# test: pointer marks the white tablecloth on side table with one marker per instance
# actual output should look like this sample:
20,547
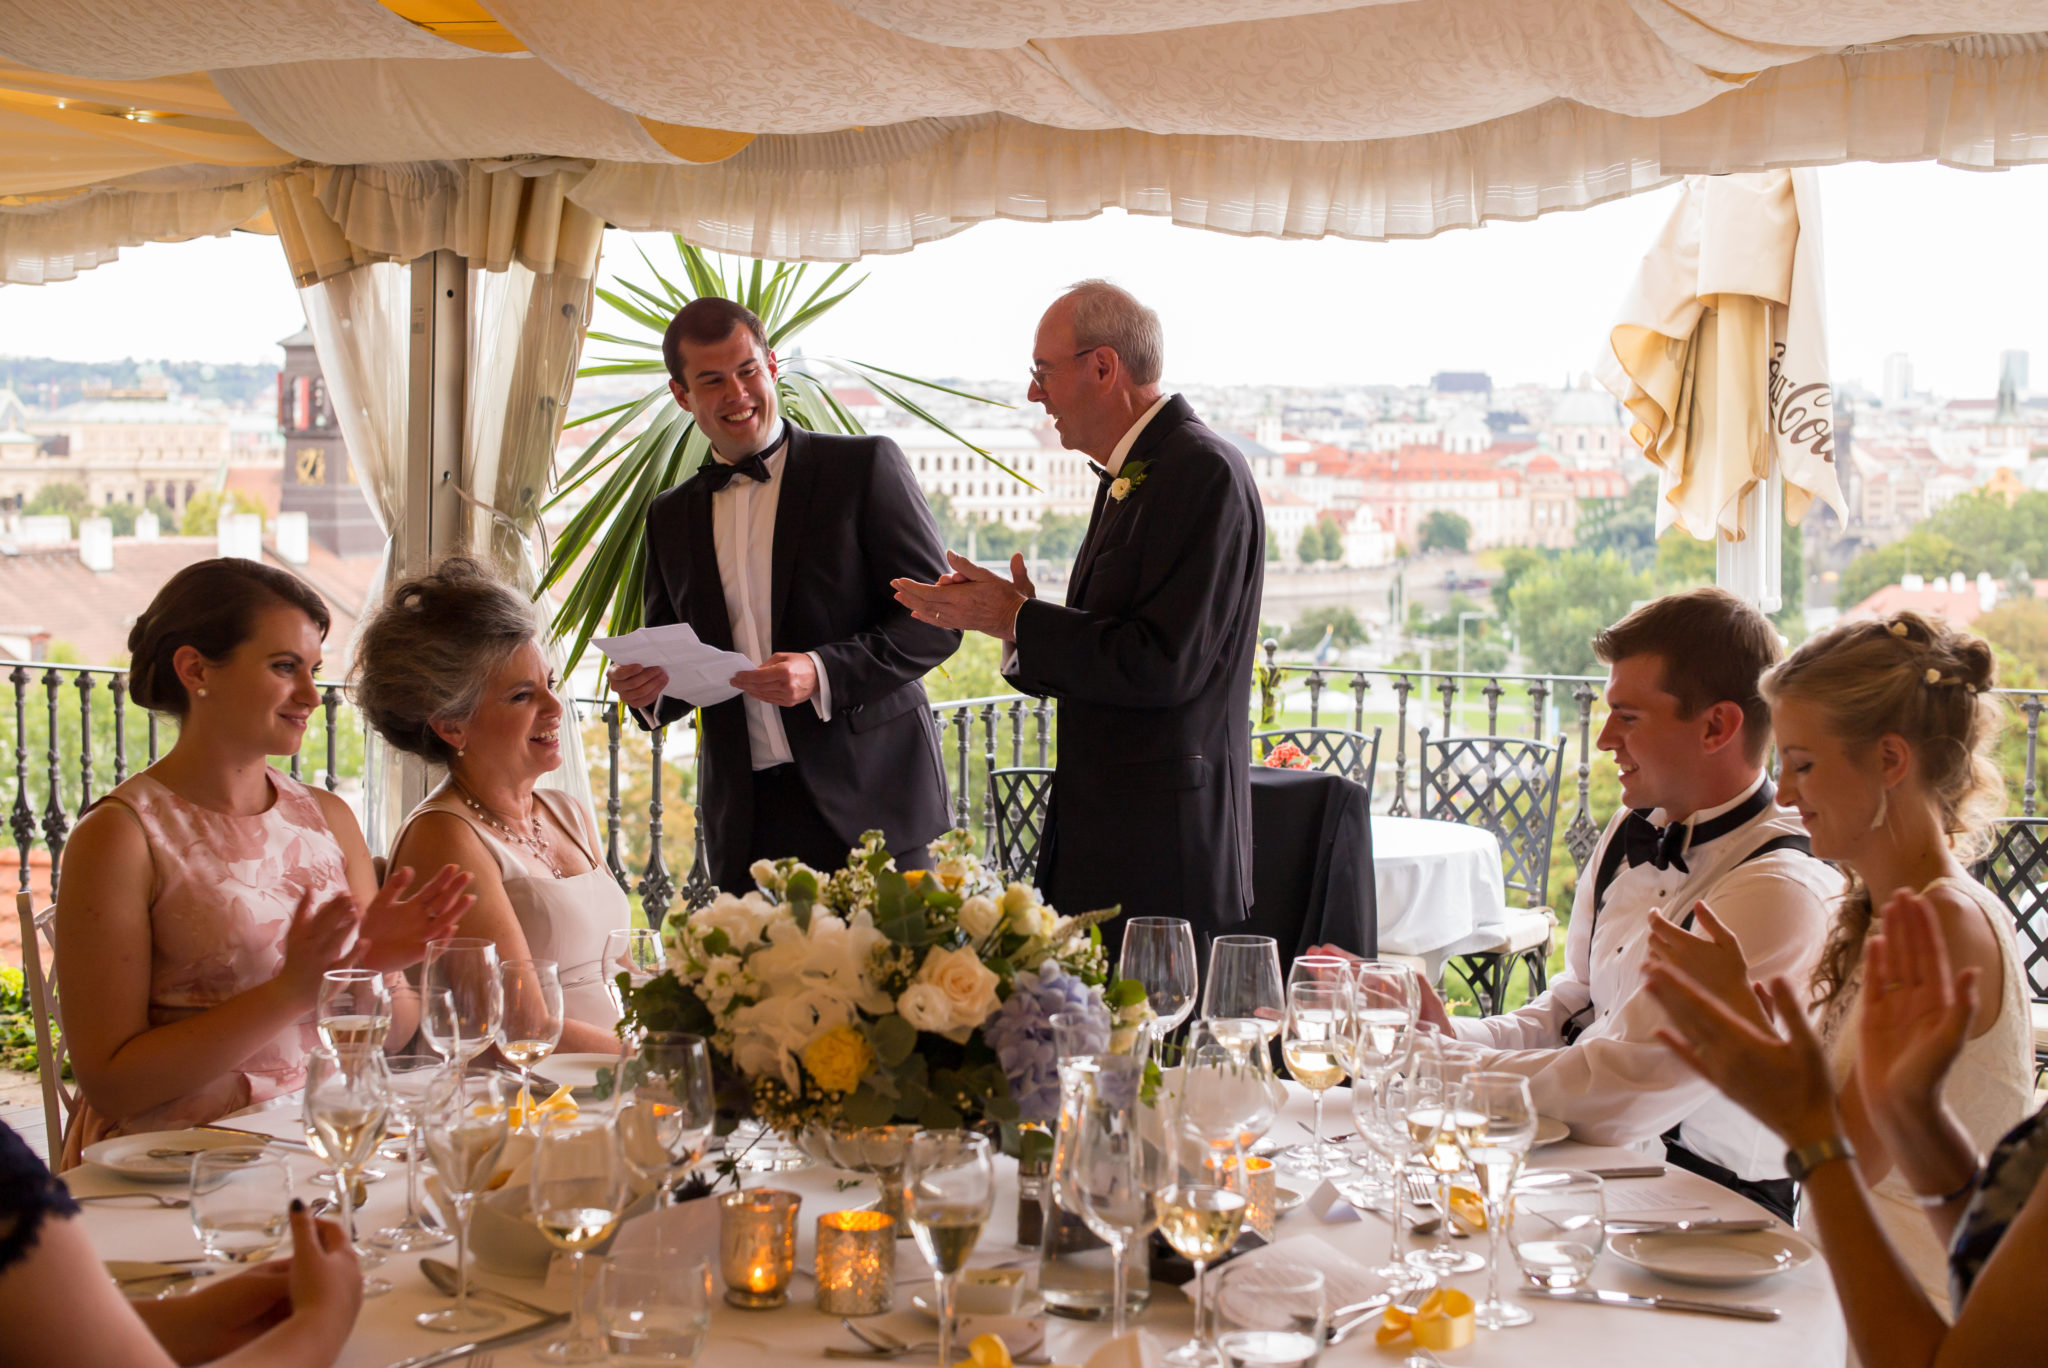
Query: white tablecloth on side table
1438,885
1810,1335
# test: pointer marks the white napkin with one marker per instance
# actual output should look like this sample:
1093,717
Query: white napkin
1345,1279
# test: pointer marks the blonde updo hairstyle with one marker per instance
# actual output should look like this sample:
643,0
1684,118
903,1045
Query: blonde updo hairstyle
1929,684
427,655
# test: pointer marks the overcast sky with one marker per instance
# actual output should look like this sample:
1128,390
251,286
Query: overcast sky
1944,265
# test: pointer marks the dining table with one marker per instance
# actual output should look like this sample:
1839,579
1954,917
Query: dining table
1439,888
1809,1332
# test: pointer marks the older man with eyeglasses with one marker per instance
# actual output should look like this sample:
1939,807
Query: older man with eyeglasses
1150,657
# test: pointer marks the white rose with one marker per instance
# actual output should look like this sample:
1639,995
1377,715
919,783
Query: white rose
968,986
1030,918
1018,896
742,919
1119,488
722,979
768,1035
924,1006
980,916
762,872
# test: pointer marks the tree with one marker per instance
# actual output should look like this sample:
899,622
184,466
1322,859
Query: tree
994,541
1683,561
1974,532
1343,624
1922,551
1515,562
1308,548
1557,608
1626,526
1059,536
1272,544
952,532
123,515
60,497
1444,530
202,515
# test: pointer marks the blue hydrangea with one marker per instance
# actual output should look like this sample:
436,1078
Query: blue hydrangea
1020,1033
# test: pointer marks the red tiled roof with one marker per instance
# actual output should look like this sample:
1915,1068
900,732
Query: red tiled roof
1935,600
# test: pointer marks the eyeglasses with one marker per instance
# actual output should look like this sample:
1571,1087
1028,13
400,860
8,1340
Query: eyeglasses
1038,373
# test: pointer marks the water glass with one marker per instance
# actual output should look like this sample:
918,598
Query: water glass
353,1010
465,1127
239,1199
409,1079
1159,952
1439,1072
1382,1118
529,1014
462,997
654,1310
1244,982
949,1187
1271,1315
1558,1226
635,952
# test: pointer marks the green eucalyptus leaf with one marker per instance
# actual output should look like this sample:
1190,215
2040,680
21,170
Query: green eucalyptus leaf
893,1038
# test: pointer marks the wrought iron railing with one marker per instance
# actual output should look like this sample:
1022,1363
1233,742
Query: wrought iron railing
75,735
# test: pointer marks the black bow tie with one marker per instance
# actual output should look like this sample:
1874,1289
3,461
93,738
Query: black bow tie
1101,472
1644,842
715,474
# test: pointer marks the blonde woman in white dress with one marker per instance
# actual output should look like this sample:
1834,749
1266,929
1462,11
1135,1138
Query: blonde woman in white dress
1884,734
451,669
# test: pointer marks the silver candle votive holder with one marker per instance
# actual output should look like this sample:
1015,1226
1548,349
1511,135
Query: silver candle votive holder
856,1263
757,1246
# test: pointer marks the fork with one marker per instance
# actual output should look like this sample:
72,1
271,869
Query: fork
162,1199
1422,1193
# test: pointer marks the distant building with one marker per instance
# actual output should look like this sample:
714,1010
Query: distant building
1288,515
122,447
979,491
1898,379
1956,598
1586,428
318,476
1462,382
2012,370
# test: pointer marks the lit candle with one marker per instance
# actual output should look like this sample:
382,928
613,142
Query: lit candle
1256,1179
757,1246
856,1263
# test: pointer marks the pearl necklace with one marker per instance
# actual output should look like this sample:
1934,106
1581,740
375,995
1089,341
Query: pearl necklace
534,841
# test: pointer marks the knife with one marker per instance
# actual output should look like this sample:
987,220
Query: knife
497,1341
1700,1227
264,1136
1603,1297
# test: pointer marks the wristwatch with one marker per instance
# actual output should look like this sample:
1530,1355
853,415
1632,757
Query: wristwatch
1806,1158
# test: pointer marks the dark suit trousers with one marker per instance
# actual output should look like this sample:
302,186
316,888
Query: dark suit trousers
787,822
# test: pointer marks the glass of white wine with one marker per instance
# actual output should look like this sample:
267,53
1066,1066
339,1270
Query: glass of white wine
1200,1219
1314,1042
238,1202
465,1125
1494,1149
1435,1116
462,997
347,1102
354,1009
949,1186
529,1014
578,1187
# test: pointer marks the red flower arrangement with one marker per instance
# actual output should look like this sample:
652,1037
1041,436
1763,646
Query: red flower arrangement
1287,755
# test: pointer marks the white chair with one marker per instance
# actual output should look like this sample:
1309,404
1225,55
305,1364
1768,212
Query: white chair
39,977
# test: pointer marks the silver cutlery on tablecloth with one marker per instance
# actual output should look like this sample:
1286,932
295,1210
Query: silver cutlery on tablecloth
1603,1297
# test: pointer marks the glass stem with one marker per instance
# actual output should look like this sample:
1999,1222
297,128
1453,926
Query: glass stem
579,1329
1116,1322
347,1183
462,1208
1493,1220
1397,1212
1316,1136
412,1176
945,1289
1443,1229
1201,1305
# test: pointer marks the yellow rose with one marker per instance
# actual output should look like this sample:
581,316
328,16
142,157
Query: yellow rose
913,877
839,1059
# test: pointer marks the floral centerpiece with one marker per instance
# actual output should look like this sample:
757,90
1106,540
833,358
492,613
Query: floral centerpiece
1287,755
870,996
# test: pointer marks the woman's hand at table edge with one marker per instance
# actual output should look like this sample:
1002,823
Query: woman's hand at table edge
396,930
1780,1076
221,1315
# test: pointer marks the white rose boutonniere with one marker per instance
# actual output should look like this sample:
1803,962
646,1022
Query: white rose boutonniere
1129,476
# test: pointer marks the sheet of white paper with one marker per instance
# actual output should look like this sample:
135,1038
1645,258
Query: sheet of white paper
700,675
1637,1198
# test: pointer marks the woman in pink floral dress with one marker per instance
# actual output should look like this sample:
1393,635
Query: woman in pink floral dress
201,901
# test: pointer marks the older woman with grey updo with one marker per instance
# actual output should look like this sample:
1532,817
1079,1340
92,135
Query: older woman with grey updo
451,669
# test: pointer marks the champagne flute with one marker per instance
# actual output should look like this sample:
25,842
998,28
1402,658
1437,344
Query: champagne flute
411,1078
578,1187
462,997
346,1105
1199,1218
465,1127
949,1181
238,1202
529,1016
1436,1111
1382,1118
353,1010
1495,1149
665,1106
635,952
1117,1173
1159,952
1384,1005
1317,1025
1245,983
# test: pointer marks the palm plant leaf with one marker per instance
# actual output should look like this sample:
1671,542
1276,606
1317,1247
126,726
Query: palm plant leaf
651,445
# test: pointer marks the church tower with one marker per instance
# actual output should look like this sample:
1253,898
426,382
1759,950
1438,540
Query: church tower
319,477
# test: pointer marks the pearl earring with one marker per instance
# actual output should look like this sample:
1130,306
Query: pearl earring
202,693
461,751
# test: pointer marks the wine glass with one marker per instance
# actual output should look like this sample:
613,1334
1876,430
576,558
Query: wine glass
1117,1173
238,1201
353,1010
1159,952
1382,1118
578,1187
1199,1218
665,1106
529,1016
1226,1087
410,1079
1313,1042
634,951
465,1127
949,1183
1244,982
1383,1011
1319,969
1494,1149
462,997
346,1105
1435,1112
1276,1315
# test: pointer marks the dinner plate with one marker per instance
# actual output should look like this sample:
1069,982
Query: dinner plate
1286,1199
1710,1260
128,1155
579,1071
1550,1130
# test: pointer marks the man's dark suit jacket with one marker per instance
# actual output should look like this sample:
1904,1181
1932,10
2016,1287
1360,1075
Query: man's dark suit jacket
1151,661
849,519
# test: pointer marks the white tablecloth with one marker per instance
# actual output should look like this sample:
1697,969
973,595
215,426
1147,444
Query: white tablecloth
1810,1335
1439,887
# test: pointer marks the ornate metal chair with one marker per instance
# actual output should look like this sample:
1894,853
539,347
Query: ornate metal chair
1021,796
1333,750
1509,786
2016,869
39,984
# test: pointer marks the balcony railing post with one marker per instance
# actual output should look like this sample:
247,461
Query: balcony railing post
962,813
55,822
1403,686
84,683
698,890
2032,708
988,785
24,822
330,708
1359,684
1448,687
1269,704
613,809
1539,695
1042,710
1583,833
1493,691
1016,732
119,689
152,736
657,887
1315,698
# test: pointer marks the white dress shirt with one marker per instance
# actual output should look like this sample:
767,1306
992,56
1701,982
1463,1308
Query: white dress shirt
743,533
1617,1084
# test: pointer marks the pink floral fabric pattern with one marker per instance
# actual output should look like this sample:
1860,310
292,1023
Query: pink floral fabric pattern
226,889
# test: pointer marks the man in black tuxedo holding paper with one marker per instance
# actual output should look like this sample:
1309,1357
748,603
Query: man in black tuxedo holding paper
1150,657
782,547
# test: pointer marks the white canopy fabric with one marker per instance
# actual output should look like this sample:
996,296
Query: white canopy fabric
825,129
